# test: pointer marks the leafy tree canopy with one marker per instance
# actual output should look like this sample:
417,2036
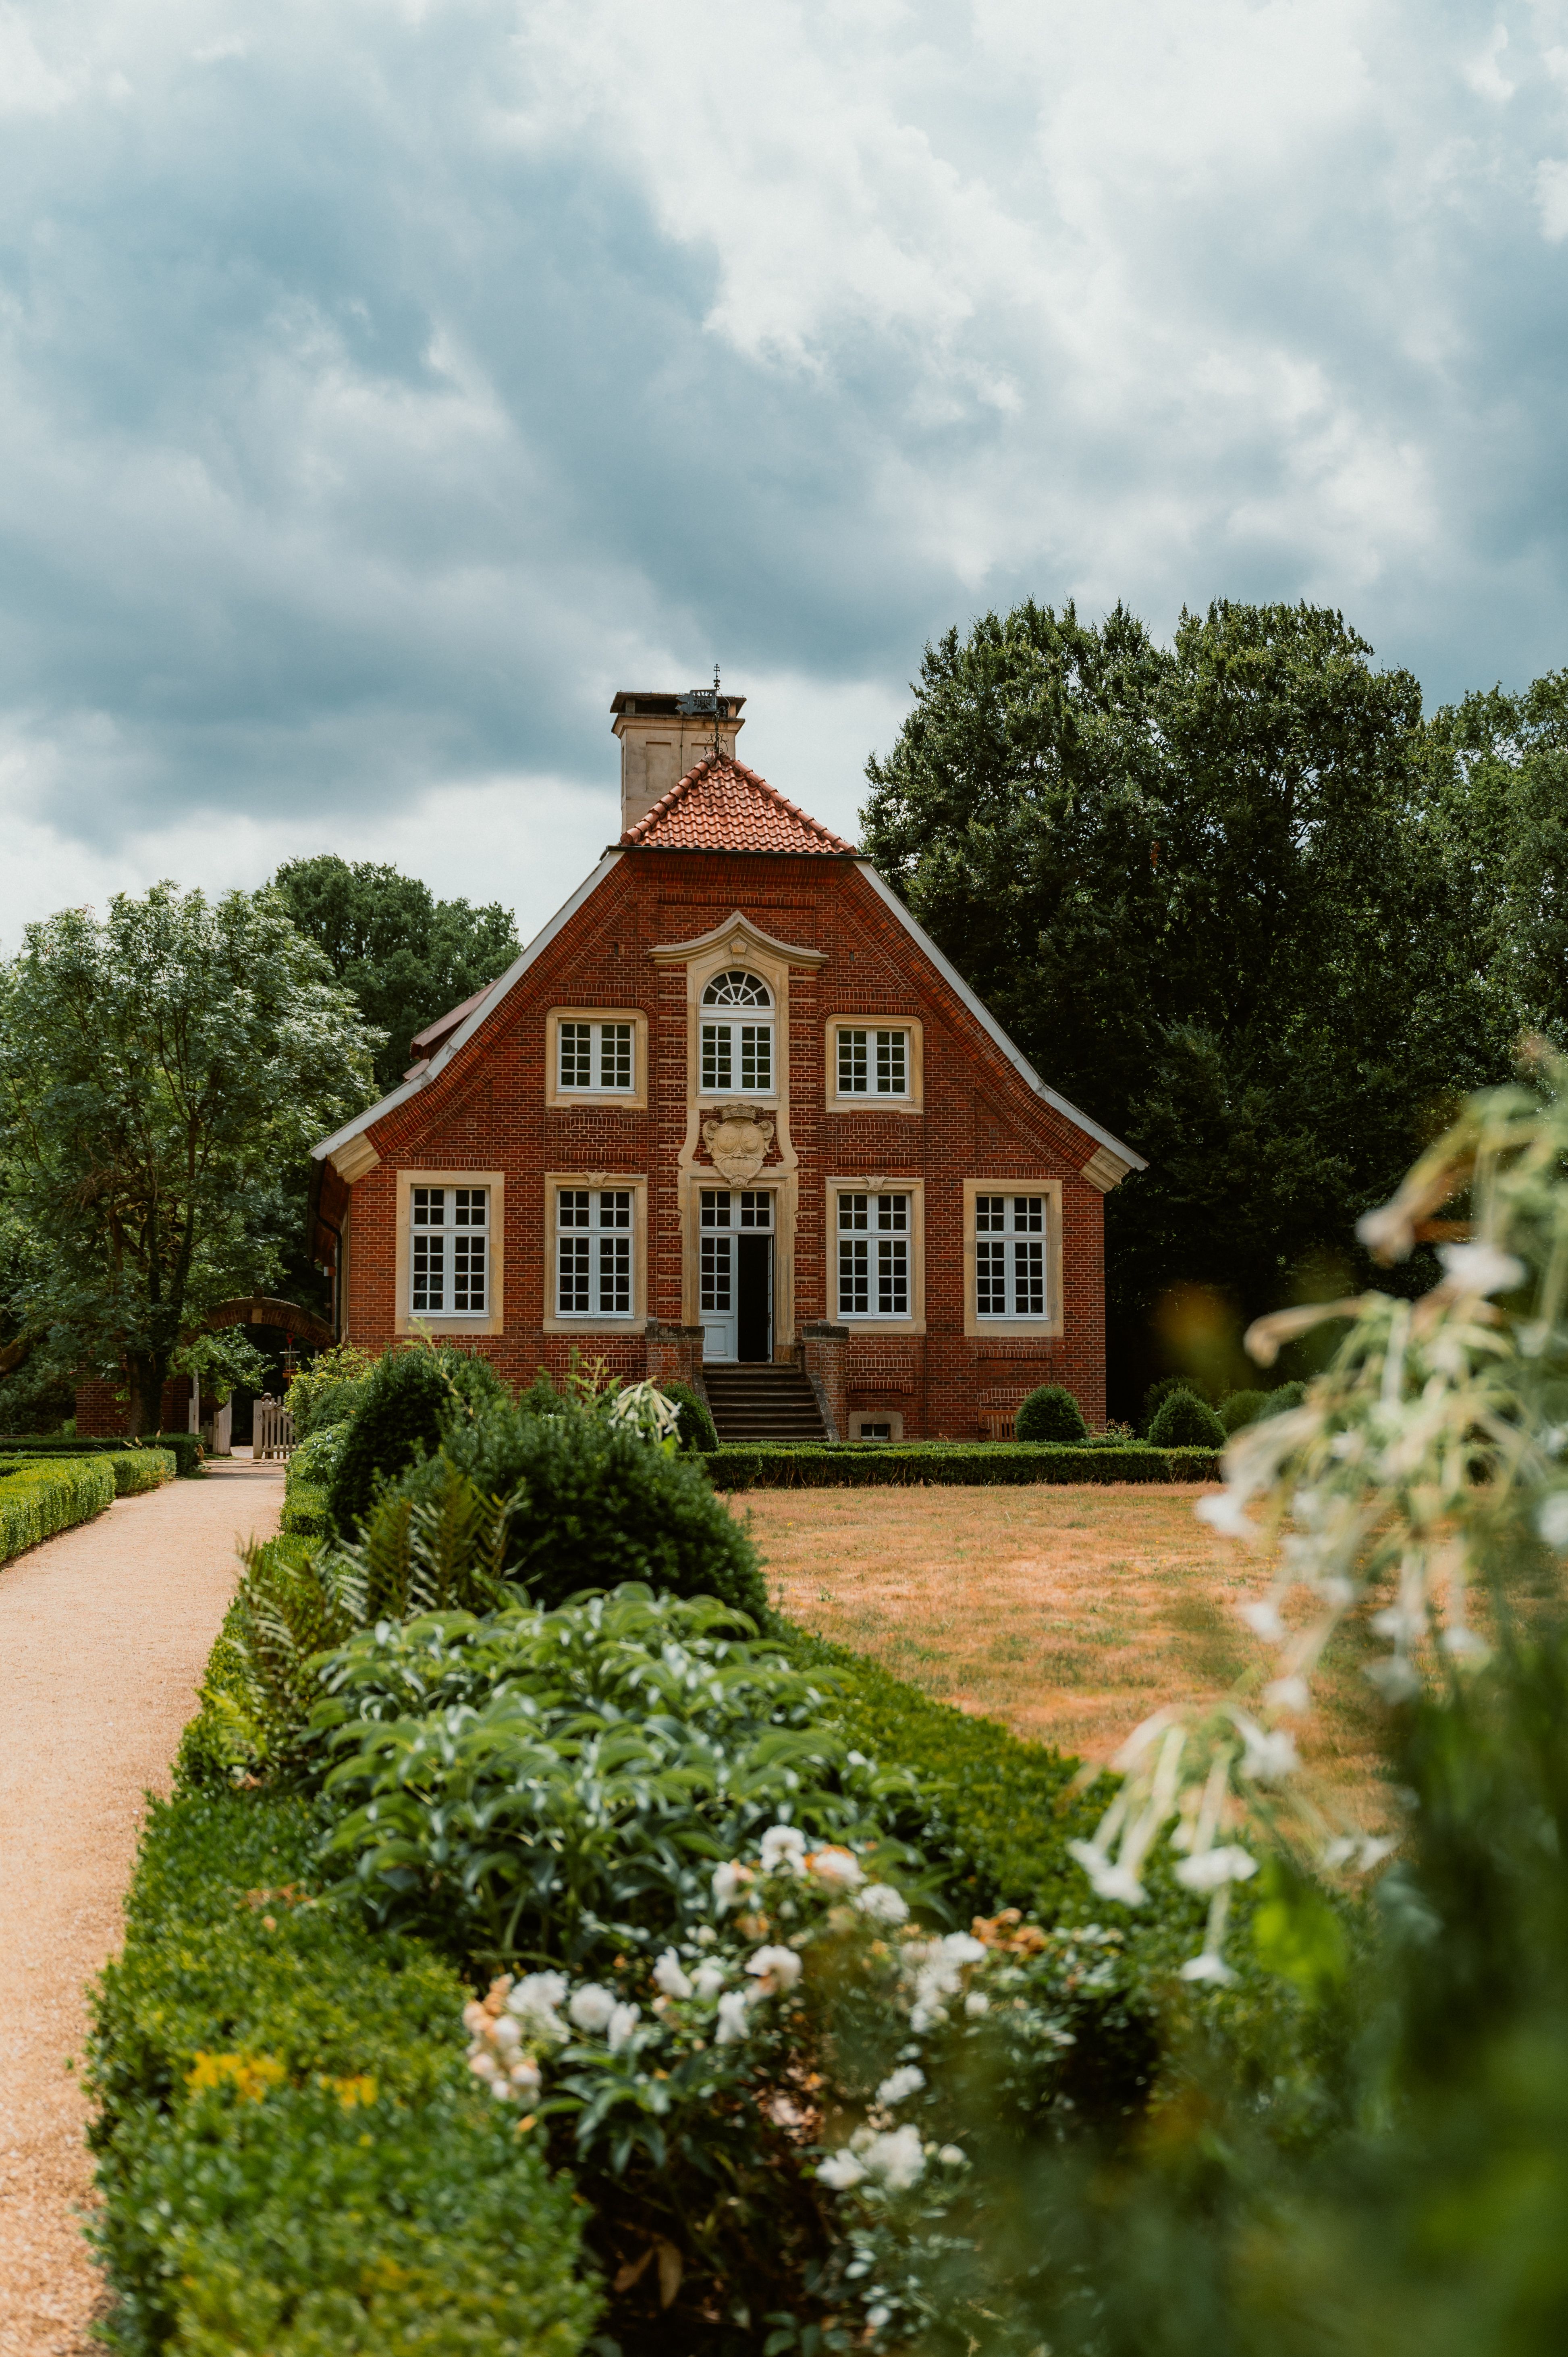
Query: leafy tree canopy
161,1075
406,957
1211,891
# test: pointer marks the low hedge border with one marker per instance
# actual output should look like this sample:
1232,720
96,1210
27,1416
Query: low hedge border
39,1499
305,1514
980,1466
186,1448
292,2157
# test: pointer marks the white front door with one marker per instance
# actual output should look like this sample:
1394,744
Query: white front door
725,1217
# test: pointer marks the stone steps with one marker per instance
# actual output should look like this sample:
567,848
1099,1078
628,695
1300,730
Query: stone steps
754,1406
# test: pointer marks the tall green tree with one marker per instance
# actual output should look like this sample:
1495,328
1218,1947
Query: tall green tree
1500,771
1209,890
406,957
161,1075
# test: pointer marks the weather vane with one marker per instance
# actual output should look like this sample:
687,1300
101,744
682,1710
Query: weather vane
698,700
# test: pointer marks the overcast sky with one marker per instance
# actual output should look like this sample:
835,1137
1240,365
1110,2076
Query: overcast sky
384,385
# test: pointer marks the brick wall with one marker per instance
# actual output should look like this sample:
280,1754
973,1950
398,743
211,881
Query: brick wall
487,1112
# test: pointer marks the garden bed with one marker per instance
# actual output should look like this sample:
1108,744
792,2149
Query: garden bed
40,1496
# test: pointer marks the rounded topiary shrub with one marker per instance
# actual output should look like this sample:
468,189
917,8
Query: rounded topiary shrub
597,1505
1159,1391
399,1417
1050,1412
1241,1408
696,1427
1184,1421
1280,1402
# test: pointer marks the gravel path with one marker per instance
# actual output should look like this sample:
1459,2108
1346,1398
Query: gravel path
103,1635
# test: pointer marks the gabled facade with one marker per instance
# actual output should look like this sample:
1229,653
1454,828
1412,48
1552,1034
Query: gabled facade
731,1107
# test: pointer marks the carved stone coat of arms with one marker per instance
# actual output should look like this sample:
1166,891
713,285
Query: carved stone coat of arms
738,1138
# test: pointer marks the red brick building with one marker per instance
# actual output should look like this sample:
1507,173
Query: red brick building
731,1116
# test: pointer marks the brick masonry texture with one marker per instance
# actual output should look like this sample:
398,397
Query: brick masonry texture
486,1111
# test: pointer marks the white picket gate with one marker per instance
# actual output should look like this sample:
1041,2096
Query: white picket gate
272,1430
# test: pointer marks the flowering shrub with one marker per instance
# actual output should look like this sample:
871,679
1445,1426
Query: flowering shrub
555,1786
774,2096
1429,1456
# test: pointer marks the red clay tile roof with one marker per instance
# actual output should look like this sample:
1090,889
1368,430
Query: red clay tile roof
721,806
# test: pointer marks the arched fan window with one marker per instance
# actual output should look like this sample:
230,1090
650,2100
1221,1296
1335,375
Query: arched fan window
735,987
737,1035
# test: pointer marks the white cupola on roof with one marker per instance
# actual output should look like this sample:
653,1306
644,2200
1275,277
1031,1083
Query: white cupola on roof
664,735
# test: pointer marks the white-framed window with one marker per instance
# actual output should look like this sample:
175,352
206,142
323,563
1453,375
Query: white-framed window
873,1062
737,1045
593,1244
1010,1238
599,1057
448,1258
874,1255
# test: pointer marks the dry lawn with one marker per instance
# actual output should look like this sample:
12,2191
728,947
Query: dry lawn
1068,1614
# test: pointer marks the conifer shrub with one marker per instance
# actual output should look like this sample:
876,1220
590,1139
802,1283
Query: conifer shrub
1050,1412
696,1426
1184,1421
595,1503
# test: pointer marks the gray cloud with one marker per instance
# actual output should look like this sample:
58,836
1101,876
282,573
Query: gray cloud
381,388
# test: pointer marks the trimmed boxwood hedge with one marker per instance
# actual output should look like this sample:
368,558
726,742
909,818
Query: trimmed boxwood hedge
40,1496
305,1510
293,2158
978,1465
37,1499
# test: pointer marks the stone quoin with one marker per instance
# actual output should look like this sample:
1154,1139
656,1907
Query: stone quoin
731,1110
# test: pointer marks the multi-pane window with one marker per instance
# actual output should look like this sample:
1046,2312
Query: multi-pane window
737,1036
449,1262
596,1056
723,1216
593,1252
874,1255
1010,1256
874,1063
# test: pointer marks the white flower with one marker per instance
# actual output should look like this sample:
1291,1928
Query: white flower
505,2033
897,2156
1267,1758
1207,1967
959,1948
591,2007
976,2003
878,2317
1462,1645
483,2064
708,1979
1226,1514
1110,1880
835,1865
777,1969
535,2001
906,2081
524,2075
883,1903
1288,1694
840,2170
782,1846
1481,1268
729,1881
733,2023
669,1976
622,2022
952,2156
1211,1868
1263,1619
1395,1680
1551,1520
